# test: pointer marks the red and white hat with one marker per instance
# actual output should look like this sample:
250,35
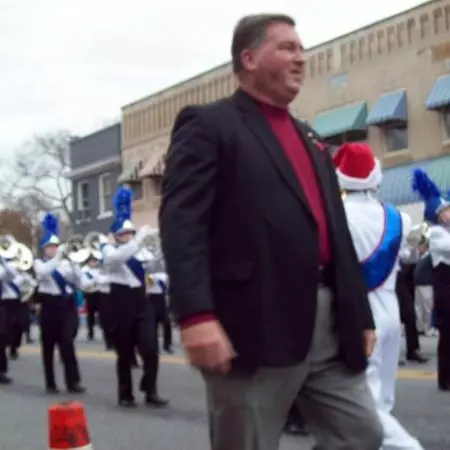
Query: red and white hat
357,168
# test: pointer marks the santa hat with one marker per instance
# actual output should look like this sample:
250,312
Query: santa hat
122,203
431,195
357,168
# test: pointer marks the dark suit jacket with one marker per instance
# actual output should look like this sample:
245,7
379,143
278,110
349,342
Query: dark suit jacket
239,237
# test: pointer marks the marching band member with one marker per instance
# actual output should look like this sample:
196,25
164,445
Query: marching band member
132,318
437,214
10,292
379,233
27,305
157,290
26,285
58,279
95,285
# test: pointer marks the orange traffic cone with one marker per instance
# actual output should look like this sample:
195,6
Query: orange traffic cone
68,427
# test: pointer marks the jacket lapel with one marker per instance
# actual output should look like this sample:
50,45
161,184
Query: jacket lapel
321,161
269,142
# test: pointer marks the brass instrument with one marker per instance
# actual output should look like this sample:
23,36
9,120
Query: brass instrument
8,247
419,235
94,241
75,250
152,248
153,244
16,253
24,259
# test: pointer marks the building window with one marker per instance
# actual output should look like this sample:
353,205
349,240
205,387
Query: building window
350,136
137,191
445,115
105,187
83,200
395,137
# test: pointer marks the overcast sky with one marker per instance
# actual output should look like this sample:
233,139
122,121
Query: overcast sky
74,64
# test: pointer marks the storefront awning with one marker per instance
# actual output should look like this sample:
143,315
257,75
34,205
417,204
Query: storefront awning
396,185
152,166
439,96
341,120
389,107
130,173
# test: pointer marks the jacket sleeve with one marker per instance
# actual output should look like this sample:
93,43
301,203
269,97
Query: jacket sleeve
188,193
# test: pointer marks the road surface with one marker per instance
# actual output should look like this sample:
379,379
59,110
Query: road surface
23,405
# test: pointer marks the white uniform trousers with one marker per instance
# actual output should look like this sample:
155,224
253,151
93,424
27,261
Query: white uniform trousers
382,373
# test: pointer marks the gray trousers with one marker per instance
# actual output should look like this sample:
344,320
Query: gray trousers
248,412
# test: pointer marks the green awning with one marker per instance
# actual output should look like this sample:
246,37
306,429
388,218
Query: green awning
130,174
341,120
397,181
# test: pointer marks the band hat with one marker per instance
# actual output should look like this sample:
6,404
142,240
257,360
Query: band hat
50,225
357,168
122,204
430,194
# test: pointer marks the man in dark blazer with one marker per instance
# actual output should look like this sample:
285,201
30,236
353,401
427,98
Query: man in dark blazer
264,279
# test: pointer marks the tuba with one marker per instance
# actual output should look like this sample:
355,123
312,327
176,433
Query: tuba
75,250
8,247
24,259
94,242
16,253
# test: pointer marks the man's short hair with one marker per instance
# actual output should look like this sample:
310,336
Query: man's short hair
250,32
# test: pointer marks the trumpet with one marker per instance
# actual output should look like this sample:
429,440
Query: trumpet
75,250
16,253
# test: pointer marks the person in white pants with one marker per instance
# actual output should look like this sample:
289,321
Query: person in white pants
379,234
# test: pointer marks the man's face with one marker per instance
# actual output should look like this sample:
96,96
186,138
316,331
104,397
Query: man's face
50,251
278,64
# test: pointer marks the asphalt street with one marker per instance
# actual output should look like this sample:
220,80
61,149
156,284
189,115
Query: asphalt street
23,405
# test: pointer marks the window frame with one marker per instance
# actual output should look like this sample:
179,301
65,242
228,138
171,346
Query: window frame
104,210
83,212
386,129
445,131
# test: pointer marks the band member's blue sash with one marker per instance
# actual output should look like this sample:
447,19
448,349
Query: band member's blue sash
137,268
380,264
62,283
89,275
15,288
162,286
134,265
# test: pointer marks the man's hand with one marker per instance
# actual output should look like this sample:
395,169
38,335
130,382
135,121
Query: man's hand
370,339
207,346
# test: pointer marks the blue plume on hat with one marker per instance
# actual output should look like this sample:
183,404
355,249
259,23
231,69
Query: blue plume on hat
424,186
122,204
50,225
430,194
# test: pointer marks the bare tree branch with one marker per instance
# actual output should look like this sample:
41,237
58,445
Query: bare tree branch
36,177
